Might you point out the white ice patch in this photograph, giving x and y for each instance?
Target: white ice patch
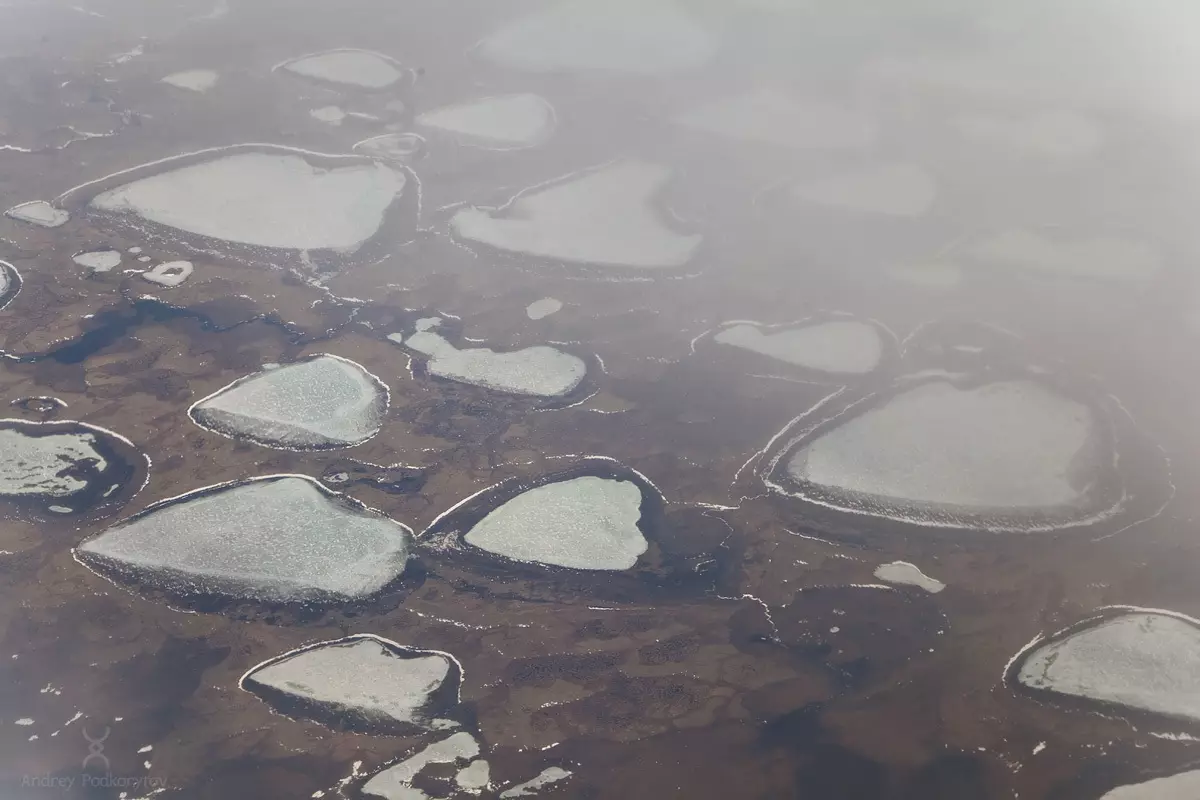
(604, 217)
(772, 117)
(1142, 661)
(38, 212)
(98, 260)
(400, 148)
(280, 538)
(322, 402)
(581, 523)
(1049, 134)
(1183, 786)
(540, 309)
(24, 721)
(42, 465)
(475, 777)
(540, 371)
(171, 273)
(907, 574)
(330, 115)
(503, 122)
(638, 36)
(1005, 445)
(548, 776)
(1103, 257)
(362, 676)
(841, 346)
(350, 67)
(895, 190)
(264, 199)
(194, 80)
(395, 782)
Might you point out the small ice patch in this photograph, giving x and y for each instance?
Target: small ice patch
(395, 782)
(282, 538)
(171, 273)
(896, 190)
(907, 574)
(581, 523)
(540, 309)
(146, 749)
(548, 776)
(1103, 257)
(323, 402)
(604, 217)
(98, 260)
(349, 67)
(617, 35)
(365, 680)
(495, 123)
(534, 371)
(264, 199)
(475, 777)
(330, 115)
(841, 346)
(1181, 786)
(194, 80)
(38, 212)
(24, 721)
(772, 117)
(1147, 662)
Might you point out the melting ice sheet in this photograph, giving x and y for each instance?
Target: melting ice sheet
(10, 283)
(1142, 661)
(640, 36)
(265, 199)
(495, 123)
(772, 117)
(535, 371)
(604, 217)
(581, 523)
(99, 260)
(395, 782)
(907, 574)
(1184, 786)
(548, 776)
(365, 682)
(324, 402)
(278, 539)
(195, 80)
(540, 309)
(38, 212)
(894, 190)
(349, 67)
(1049, 134)
(1103, 257)
(1008, 445)
(841, 346)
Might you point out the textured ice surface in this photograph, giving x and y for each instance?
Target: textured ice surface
(474, 777)
(38, 212)
(1184, 786)
(99, 260)
(540, 309)
(1049, 134)
(548, 776)
(1102, 257)
(604, 217)
(499, 123)
(330, 115)
(907, 574)
(196, 80)
(395, 782)
(897, 190)
(266, 199)
(280, 538)
(640, 36)
(352, 67)
(400, 148)
(10, 283)
(1143, 661)
(1003, 445)
(842, 346)
(582, 523)
(363, 677)
(537, 371)
(170, 273)
(772, 117)
(323, 402)
(45, 465)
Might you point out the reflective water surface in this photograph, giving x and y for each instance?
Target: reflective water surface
(580, 399)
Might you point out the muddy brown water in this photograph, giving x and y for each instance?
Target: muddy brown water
(771, 669)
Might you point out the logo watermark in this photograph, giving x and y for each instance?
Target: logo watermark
(89, 777)
(96, 749)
